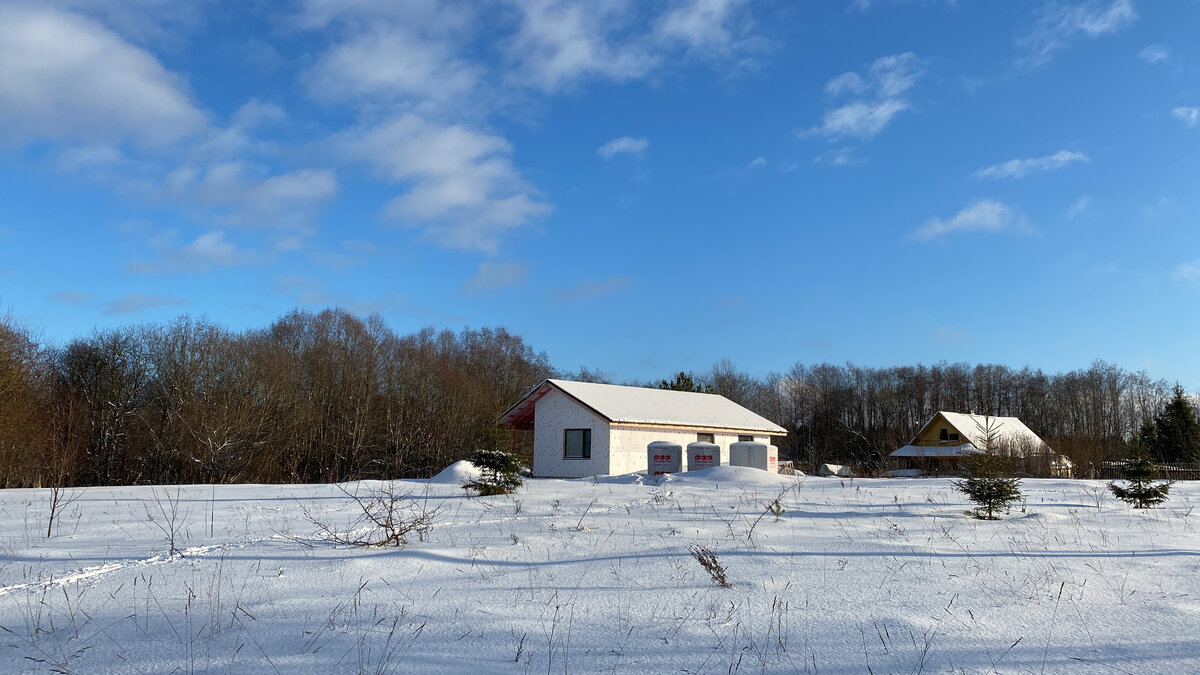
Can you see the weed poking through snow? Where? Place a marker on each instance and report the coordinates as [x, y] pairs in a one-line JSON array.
[[708, 560]]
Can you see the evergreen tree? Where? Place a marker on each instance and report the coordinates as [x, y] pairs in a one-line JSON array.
[[499, 473], [1140, 489], [685, 382], [988, 482], [1146, 439], [1176, 431]]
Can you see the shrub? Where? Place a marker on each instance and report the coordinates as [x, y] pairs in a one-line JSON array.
[[386, 518], [499, 473], [1140, 489]]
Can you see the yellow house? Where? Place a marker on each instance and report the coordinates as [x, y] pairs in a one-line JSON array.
[[949, 435]]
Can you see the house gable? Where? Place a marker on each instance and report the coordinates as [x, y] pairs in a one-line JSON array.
[[556, 413], [950, 434]]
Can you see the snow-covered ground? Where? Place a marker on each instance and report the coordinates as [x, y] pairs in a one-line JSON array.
[[883, 576]]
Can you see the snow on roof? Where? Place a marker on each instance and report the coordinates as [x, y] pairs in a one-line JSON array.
[[1007, 432], [640, 405]]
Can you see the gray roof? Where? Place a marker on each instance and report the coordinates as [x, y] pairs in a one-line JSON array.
[[640, 405]]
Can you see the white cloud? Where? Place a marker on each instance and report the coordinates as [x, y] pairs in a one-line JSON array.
[[880, 98], [285, 200], [590, 289], [311, 292], [896, 74], [1059, 23], [362, 248], [1189, 115], [419, 77], [140, 21], [354, 252], [559, 42], [389, 302], [1163, 206], [430, 17], [985, 215], [111, 113], [843, 156], [255, 113], [73, 297], [411, 54], [952, 335], [84, 157], [246, 195], [1019, 168], [132, 303], [861, 119], [1188, 271], [847, 82], [66, 77], [1155, 54], [626, 145], [493, 275], [698, 23], [207, 252], [391, 63], [237, 139], [464, 191], [1080, 207], [757, 163]]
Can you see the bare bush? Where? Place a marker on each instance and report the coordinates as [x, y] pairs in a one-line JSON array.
[[386, 518], [60, 499], [167, 517]]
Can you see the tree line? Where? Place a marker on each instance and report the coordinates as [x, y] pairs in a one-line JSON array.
[[855, 415], [314, 397], [328, 396]]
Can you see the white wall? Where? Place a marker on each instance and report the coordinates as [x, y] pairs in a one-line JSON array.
[[616, 450], [554, 413], [627, 447]]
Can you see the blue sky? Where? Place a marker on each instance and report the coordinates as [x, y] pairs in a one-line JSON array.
[[638, 187]]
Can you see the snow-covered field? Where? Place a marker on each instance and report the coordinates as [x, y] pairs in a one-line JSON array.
[[883, 576]]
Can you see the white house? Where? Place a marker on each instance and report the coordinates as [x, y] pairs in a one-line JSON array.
[[585, 429], [950, 435]]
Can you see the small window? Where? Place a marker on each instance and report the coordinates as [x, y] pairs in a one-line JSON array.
[[705, 438], [944, 436], [743, 438], [577, 443], [954, 437]]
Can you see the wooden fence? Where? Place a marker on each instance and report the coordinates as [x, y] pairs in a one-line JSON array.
[[1174, 471]]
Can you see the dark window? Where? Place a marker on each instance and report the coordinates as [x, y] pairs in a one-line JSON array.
[[577, 444], [705, 438], [945, 435], [743, 438], [954, 437]]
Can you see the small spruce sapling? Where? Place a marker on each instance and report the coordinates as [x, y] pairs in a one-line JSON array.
[[499, 473], [1141, 489], [988, 483]]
